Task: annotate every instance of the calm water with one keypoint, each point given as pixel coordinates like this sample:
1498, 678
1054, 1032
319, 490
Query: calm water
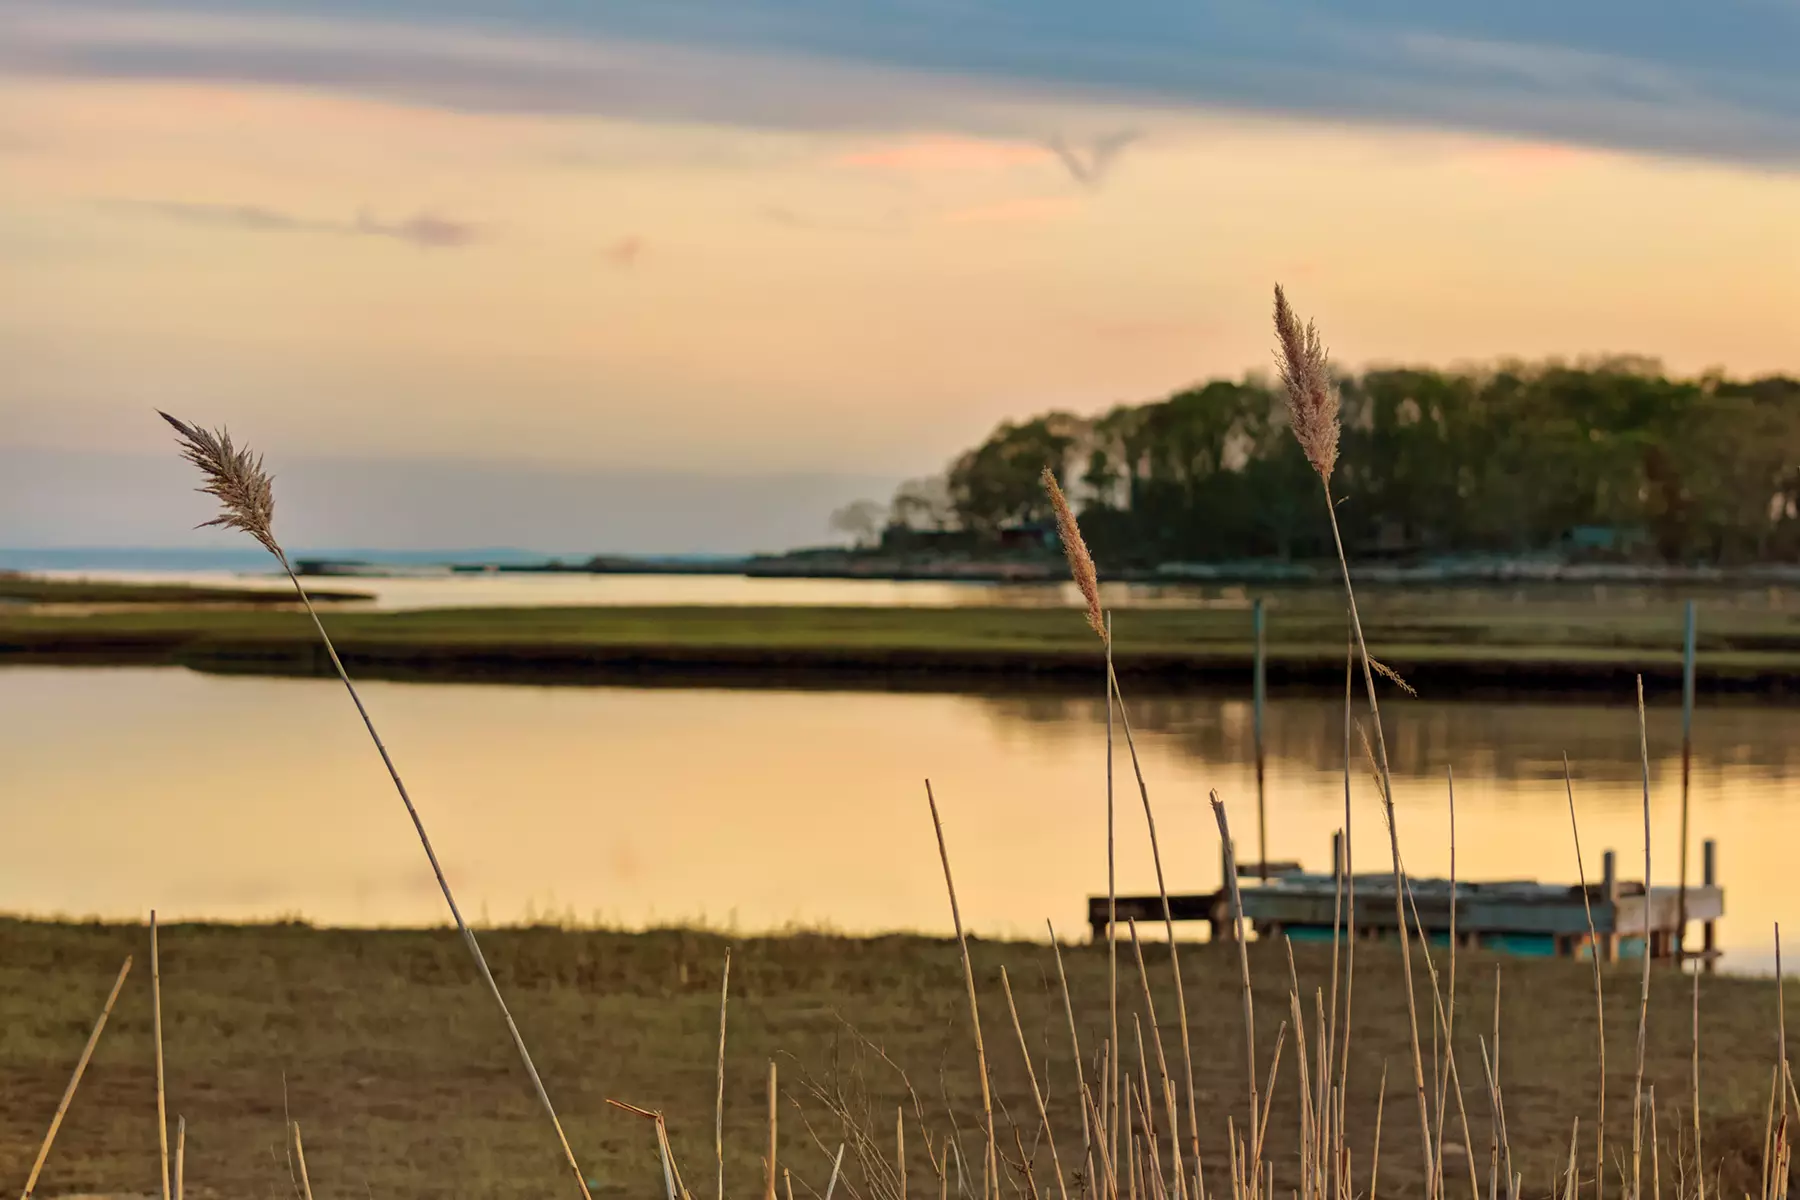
509, 590
203, 796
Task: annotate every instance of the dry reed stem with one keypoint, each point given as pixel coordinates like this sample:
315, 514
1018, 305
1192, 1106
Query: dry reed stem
1300, 1056
180, 1157
1637, 1091
900, 1137
1387, 796
1062, 979
1499, 1089
236, 478
300, 1161
1312, 398
1268, 1101
1574, 1151
1162, 890
1237, 918
1349, 869
1699, 1155
719, 1102
1449, 1004
990, 1183
1375, 1154
1037, 1093
1655, 1155
1497, 1121
1441, 1023
837, 1164
62, 1107
1587, 908
1081, 563
1111, 1127
162, 1108
1780, 1014
772, 1125
1769, 1131
671, 1173
1162, 1062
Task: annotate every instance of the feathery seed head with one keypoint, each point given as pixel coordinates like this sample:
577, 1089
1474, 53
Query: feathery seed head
1081, 563
235, 477
1312, 397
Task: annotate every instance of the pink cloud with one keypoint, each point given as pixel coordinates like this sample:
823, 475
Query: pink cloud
947, 153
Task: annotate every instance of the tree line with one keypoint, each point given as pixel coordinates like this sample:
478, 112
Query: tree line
1610, 458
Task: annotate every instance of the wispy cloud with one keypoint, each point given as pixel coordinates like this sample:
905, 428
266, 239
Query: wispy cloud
425, 230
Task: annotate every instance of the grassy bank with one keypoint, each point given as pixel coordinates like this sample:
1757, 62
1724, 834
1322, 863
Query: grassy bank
386, 1051
1447, 642
31, 589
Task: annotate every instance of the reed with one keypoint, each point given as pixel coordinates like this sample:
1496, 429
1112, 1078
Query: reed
68, 1096
300, 1162
234, 476
1313, 416
162, 1107
991, 1166
719, 1102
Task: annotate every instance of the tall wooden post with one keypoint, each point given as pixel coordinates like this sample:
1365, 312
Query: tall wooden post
1687, 746
1259, 694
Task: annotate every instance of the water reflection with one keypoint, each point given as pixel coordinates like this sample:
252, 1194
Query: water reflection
1507, 740
246, 798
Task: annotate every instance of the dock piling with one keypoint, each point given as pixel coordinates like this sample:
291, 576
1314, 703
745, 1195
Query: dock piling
1687, 746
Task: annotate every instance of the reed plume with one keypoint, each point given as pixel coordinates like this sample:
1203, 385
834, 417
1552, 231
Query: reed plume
1081, 563
1312, 397
235, 476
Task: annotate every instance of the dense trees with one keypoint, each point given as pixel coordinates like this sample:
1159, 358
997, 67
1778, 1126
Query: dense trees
1610, 458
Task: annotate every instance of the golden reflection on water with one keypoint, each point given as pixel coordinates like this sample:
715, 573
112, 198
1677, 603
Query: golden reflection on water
249, 798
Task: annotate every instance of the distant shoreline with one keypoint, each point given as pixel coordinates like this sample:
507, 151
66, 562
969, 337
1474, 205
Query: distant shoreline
1445, 650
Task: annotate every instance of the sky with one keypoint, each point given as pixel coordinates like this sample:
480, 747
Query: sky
664, 275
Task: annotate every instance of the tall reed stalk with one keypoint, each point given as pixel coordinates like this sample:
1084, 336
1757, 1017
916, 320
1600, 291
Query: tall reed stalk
235, 477
1313, 414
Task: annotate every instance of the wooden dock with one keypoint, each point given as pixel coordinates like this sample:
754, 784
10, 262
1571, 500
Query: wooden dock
1520, 916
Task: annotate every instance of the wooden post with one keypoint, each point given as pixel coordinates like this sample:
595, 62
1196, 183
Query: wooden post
1709, 876
1687, 746
1259, 697
1609, 895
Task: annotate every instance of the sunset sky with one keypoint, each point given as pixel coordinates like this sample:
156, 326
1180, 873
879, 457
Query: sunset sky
664, 274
